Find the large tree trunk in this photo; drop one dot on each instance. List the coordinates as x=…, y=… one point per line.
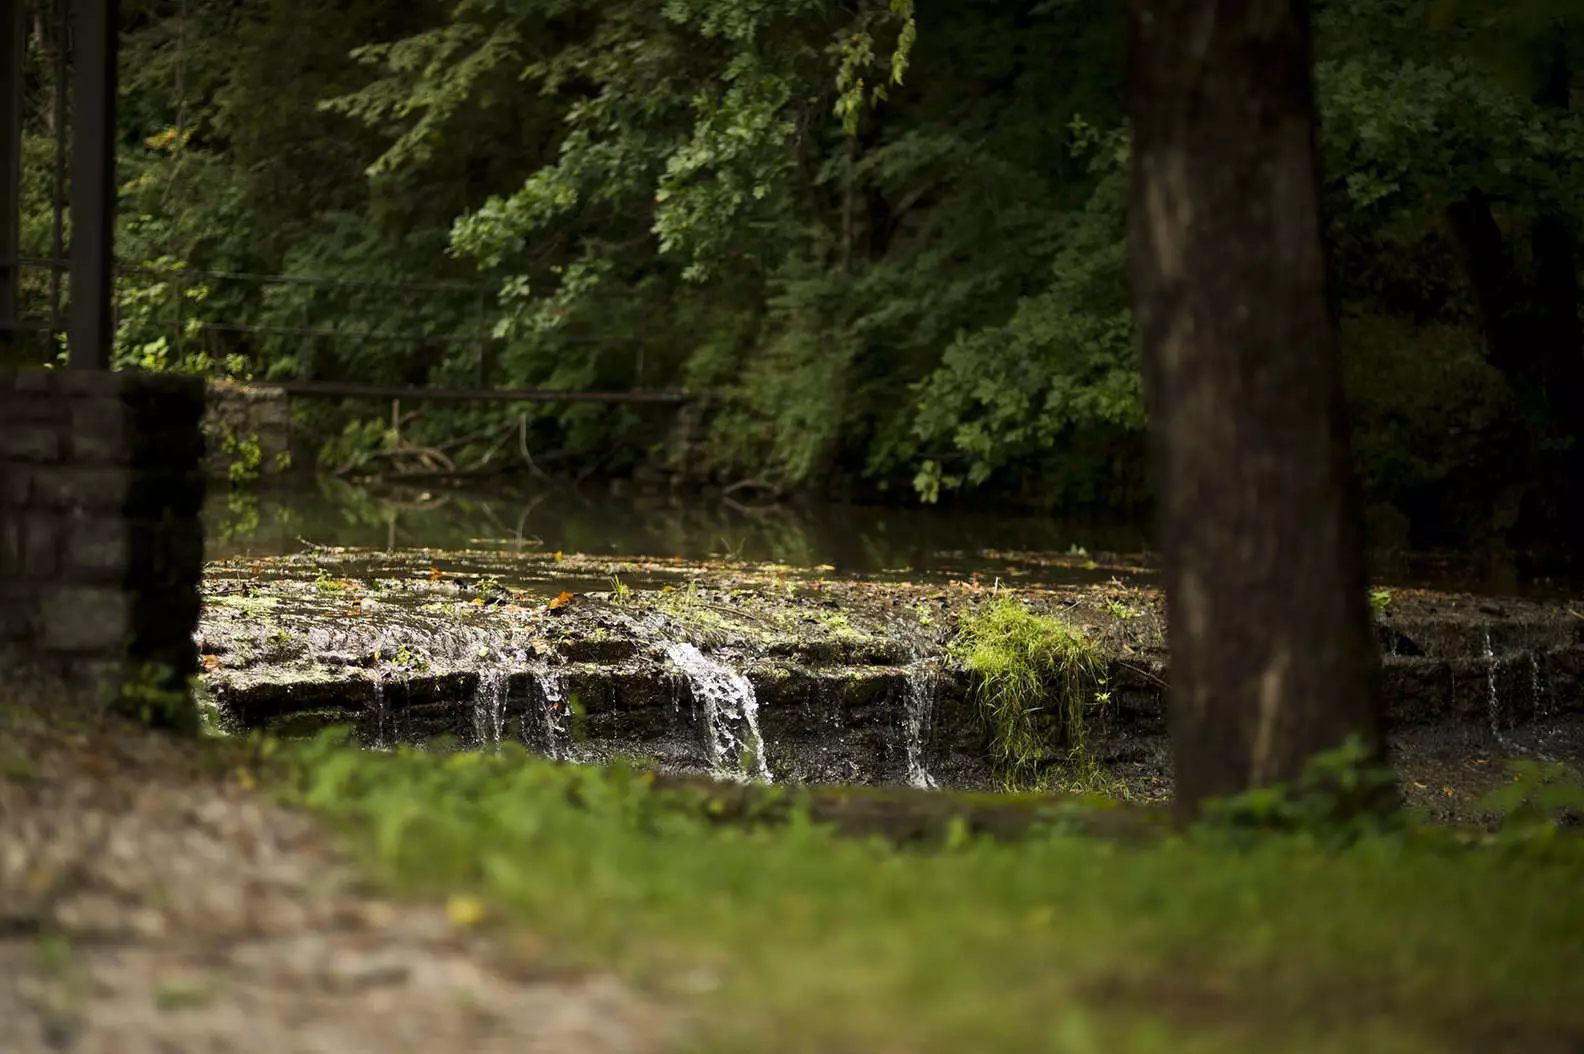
x=1268, y=620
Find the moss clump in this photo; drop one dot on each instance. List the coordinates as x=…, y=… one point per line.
x=1034, y=678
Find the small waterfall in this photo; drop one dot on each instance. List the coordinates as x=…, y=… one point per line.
x=1537, y=692
x=557, y=718
x=731, y=712
x=918, y=706
x=489, y=706
x=381, y=714
x=1492, y=700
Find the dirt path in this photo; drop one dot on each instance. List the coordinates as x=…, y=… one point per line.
x=149, y=903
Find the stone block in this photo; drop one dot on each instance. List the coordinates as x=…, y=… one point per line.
x=166, y=449
x=16, y=486
x=13, y=542
x=29, y=544
x=89, y=488
x=84, y=618
x=33, y=381
x=156, y=495
x=169, y=398
x=89, y=383
x=19, y=605
x=38, y=442
x=97, y=547
x=41, y=544
x=164, y=553
x=100, y=432
x=31, y=408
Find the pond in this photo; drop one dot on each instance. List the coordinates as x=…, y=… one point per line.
x=849, y=540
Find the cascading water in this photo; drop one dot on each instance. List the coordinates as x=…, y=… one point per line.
x=731, y=713
x=489, y=706
x=918, y=705
x=381, y=713
x=1493, y=701
x=557, y=731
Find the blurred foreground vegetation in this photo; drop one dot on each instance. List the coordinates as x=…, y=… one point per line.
x=789, y=935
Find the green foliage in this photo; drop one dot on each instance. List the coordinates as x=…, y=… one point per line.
x=156, y=695
x=827, y=943
x=1541, y=799
x=1344, y=794
x=1035, y=679
x=883, y=239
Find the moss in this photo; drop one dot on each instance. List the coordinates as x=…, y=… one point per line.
x=1034, y=678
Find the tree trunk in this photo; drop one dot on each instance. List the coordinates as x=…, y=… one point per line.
x=1272, y=659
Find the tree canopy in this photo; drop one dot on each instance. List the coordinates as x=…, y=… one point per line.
x=884, y=240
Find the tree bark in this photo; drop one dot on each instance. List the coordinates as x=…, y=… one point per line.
x=1259, y=523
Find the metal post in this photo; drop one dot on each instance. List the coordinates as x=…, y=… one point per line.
x=13, y=35
x=93, y=182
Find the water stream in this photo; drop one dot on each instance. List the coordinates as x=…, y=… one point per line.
x=918, y=706
x=555, y=712
x=731, y=713
x=489, y=705
x=1493, y=701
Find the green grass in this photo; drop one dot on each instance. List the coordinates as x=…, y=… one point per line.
x=1034, y=678
x=788, y=938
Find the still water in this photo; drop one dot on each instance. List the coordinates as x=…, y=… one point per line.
x=850, y=539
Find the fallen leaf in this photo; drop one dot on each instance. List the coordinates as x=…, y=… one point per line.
x=211, y=662
x=560, y=602
x=434, y=574
x=478, y=600
x=464, y=912
x=1448, y=792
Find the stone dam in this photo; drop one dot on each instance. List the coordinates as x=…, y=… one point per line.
x=757, y=671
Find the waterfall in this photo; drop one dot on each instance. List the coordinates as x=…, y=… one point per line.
x=557, y=715
x=489, y=706
x=731, y=713
x=918, y=705
x=381, y=713
x=1493, y=702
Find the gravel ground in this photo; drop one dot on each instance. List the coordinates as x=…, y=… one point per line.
x=149, y=902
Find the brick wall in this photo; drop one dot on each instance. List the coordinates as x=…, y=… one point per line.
x=101, y=546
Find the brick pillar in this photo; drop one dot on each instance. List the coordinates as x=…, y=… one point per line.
x=101, y=545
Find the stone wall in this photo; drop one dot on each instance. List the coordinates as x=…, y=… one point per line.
x=101, y=545
x=248, y=432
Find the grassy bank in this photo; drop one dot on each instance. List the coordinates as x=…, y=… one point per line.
x=787, y=937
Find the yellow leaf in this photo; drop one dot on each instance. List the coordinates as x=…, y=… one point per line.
x=465, y=912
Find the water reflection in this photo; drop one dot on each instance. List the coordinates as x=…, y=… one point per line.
x=851, y=539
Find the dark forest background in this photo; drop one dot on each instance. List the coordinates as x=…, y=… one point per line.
x=885, y=290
